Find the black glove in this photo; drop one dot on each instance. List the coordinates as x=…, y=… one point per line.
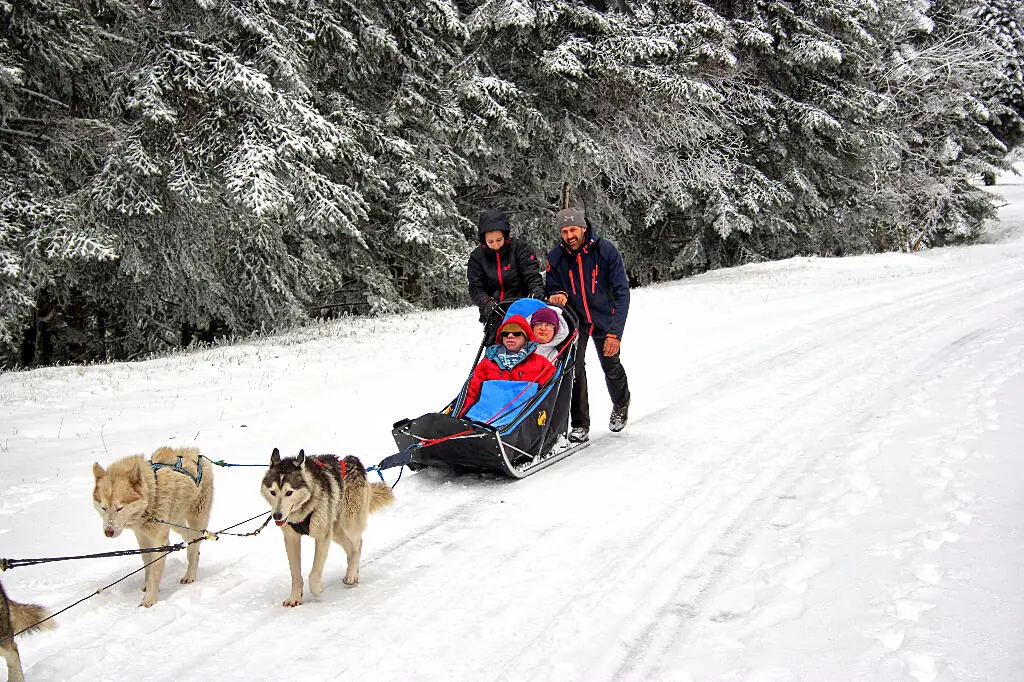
x=487, y=309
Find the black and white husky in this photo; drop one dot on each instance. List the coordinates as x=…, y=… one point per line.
x=326, y=498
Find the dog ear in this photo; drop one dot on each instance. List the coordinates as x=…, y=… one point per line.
x=275, y=457
x=301, y=458
x=135, y=476
x=97, y=471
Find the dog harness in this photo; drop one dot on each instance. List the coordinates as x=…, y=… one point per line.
x=341, y=463
x=182, y=470
x=302, y=527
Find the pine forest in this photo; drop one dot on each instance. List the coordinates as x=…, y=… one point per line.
x=178, y=171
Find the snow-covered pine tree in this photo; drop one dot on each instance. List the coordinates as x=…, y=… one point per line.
x=933, y=132
x=241, y=158
x=803, y=115
x=400, y=78
x=49, y=63
x=623, y=102
x=1003, y=22
x=234, y=198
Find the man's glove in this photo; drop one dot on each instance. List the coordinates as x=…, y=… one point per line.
x=487, y=309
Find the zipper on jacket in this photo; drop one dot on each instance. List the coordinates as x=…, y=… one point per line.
x=572, y=282
x=501, y=283
x=593, y=280
x=583, y=288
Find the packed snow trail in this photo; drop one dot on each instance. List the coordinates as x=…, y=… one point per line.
x=811, y=444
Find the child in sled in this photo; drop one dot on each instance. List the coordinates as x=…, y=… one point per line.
x=507, y=365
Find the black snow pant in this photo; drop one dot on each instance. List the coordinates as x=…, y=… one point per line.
x=614, y=377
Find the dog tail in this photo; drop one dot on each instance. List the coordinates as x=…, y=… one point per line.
x=380, y=496
x=30, y=618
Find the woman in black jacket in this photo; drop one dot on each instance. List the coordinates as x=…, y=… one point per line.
x=501, y=268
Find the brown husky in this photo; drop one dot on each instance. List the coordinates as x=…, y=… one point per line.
x=175, y=487
x=327, y=499
x=15, y=617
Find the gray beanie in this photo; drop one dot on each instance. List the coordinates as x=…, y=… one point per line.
x=570, y=216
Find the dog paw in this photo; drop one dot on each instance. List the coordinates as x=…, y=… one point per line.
x=292, y=602
x=187, y=580
x=350, y=581
x=147, y=602
x=316, y=587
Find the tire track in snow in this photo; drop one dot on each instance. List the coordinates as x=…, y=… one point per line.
x=724, y=544
x=642, y=661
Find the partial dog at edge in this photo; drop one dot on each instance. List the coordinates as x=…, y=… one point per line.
x=327, y=499
x=15, y=617
x=175, y=486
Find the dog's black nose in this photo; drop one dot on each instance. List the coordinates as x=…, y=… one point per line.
x=277, y=516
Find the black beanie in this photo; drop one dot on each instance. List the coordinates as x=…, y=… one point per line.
x=491, y=220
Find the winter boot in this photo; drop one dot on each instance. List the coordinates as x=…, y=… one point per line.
x=619, y=417
x=580, y=434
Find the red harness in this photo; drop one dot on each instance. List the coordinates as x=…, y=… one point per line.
x=340, y=462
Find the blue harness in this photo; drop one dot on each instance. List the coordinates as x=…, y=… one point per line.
x=180, y=469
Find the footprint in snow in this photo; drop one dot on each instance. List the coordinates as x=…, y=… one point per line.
x=963, y=517
x=910, y=609
x=892, y=638
x=929, y=574
x=796, y=576
x=922, y=667
x=936, y=539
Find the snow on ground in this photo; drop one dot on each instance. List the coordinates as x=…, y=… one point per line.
x=821, y=481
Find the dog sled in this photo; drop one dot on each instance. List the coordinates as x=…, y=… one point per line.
x=526, y=433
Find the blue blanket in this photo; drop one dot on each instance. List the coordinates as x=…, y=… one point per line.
x=506, y=396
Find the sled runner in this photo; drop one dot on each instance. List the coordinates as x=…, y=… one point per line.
x=515, y=428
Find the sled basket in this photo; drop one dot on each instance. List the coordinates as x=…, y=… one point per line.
x=530, y=433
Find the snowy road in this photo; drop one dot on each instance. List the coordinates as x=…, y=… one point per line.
x=821, y=481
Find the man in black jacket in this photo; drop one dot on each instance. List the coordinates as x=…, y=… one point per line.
x=501, y=268
x=586, y=273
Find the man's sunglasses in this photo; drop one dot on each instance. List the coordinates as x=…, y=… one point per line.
x=504, y=334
